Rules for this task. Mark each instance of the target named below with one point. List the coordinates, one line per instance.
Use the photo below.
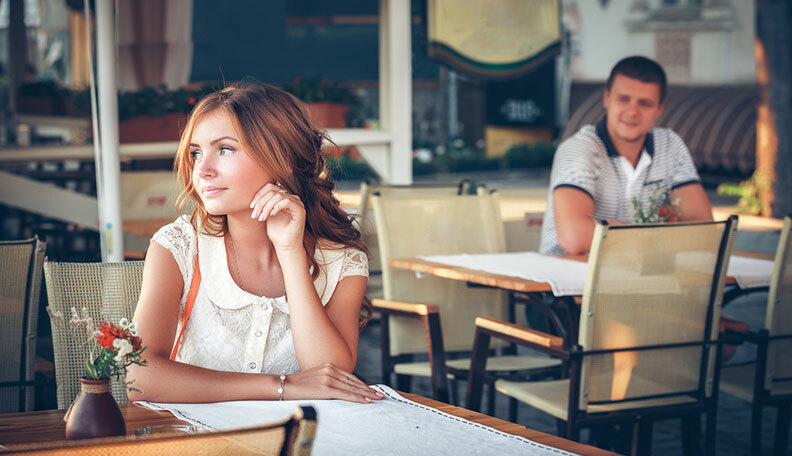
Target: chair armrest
(488, 327)
(496, 326)
(538, 340)
(732, 325)
(401, 308)
(430, 314)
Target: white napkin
(750, 272)
(390, 426)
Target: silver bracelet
(282, 384)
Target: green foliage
(749, 191)
(313, 90)
(529, 156)
(44, 88)
(461, 158)
(152, 101)
(148, 101)
(422, 168)
(156, 101)
(343, 167)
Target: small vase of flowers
(659, 208)
(111, 349)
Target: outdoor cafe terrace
(520, 201)
(672, 338)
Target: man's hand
(573, 210)
(693, 204)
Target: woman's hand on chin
(328, 382)
(284, 214)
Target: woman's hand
(328, 382)
(284, 214)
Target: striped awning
(718, 123)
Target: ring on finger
(282, 191)
(347, 380)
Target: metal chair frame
(705, 395)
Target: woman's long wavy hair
(274, 128)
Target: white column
(108, 176)
(395, 86)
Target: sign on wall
(528, 101)
(499, 39)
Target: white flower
(130, 326)
(124, 348)
(55, 314)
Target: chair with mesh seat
(520, 235)
(767, 382)
(366, 222)
(20, 288)
(293, 436)
(108, 292)
(647, 343)
(438, 225)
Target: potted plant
(328, 101)
(45, 97)
(151, 114)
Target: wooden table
(513, 283)
(564, 304)
(48, 425)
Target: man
(600, 170)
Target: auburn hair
(274, 128)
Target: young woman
(268, 269)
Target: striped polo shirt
(588, 161)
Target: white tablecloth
(568, 277)
(750, 272)
(392, 426)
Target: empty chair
(20, 282)
(366, 221)
(437, 225)
(108, 292)
(767, 382)
(646, 347)
(520, 235)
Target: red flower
(110, 332)
(191, 100)
(668, 212)
(136, 342)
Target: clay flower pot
(327, 114)
(94, 413)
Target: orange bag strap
(196, 281)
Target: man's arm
(693, 204)
(574, 219)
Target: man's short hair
(642, 69)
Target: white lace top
(230, 329)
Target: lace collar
(225, 293)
